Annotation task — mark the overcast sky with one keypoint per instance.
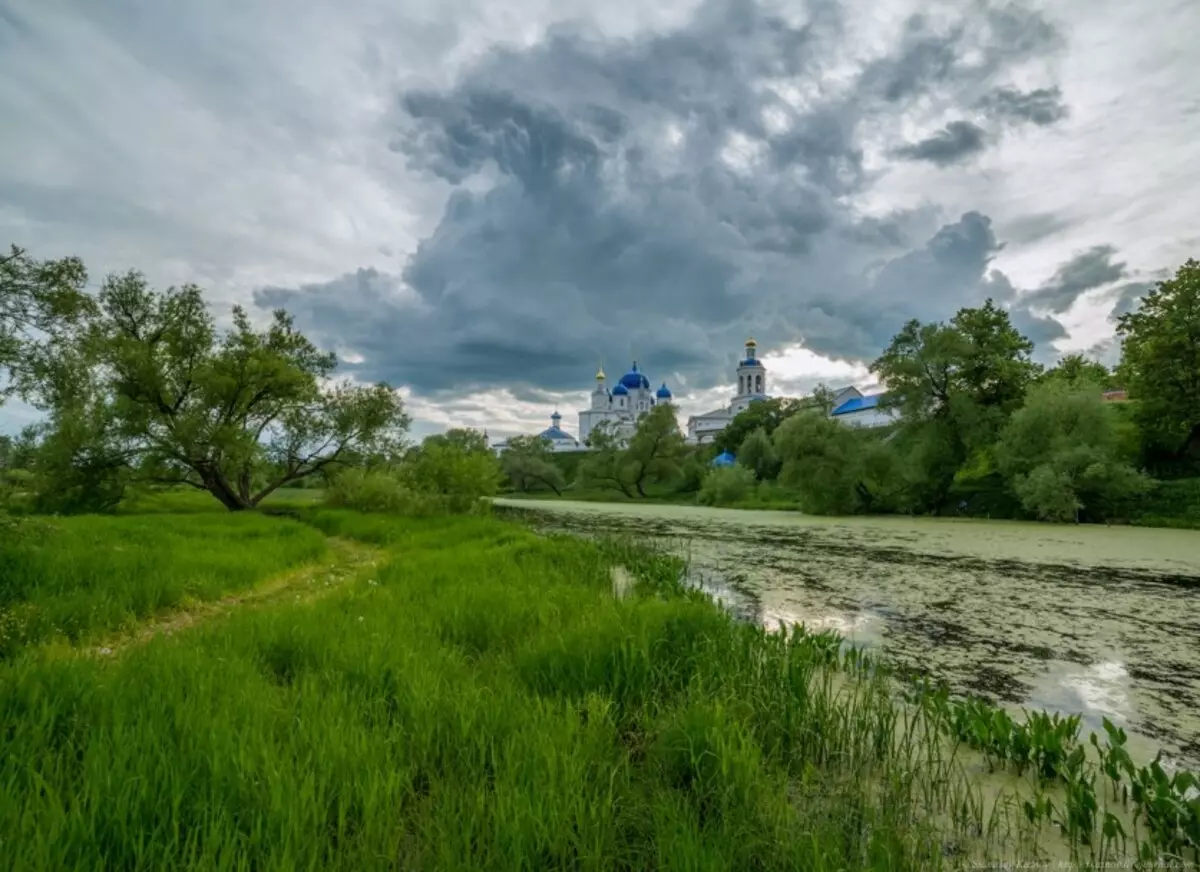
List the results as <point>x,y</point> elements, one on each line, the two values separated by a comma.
<point>479,201</point>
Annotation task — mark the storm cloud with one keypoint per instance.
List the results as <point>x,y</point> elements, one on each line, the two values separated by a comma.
<point>954,143</point>
<point>662,196</point>
<point>1084,272</point>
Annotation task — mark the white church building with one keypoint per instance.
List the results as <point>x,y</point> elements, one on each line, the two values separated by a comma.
<point>632,397</point>
<point>628,400</point>
<point>751,386</point>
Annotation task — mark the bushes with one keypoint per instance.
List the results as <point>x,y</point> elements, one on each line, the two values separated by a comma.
<point>726,485</point>
<point>436,479</point>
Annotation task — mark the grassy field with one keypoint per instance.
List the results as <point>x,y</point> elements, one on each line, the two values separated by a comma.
<point>68,577</point>
<point>479,700</point>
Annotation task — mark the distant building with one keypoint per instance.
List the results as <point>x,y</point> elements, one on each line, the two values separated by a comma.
<point>556,438</point>
<point>751,388</point>
<point>633,397</point>
<point>855,409</point>
<point>623,406</point>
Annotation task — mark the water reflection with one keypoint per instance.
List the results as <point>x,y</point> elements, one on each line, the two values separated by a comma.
<point>1039,627</point>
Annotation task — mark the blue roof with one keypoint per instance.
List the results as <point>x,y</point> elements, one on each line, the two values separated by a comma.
<point>555,434</point>
<point>751,361</point>
<point>724,459</point>
<point>664,392</point>
<point>619,390</point>
<point>634,379</point>
<point>858,404</point>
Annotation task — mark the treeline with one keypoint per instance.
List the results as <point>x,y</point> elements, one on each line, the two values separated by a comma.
<point>982,430</point>
<point>140,389</point>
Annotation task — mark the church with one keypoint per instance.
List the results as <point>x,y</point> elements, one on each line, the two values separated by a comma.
<point>633,396</point>
<point>628,400</point>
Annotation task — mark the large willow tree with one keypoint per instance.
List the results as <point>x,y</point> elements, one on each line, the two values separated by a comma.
<point>153,388</point>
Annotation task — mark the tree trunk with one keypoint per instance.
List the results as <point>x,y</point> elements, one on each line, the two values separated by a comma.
<point>217,485</point>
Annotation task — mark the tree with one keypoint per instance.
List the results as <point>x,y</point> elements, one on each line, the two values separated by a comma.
<point>466,438</point>
<point>237,415</point>
<point>757,454</point>
<point>819,463</point>
<point>1061,454</point>
<point>763,414</point>
<point>605,466</point>
<point>1076,369</point>
<point>654,452</point>
<point>1160,363</point>
<point>528,464</point>
<point>457,470</point>
<point>39,300</point>
<point>955,385</point>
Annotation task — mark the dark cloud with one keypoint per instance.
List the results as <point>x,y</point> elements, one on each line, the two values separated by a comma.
<point>954,143</point>
<point>1084,272</point>
<point>659,197</point>
<point>1043,106</point>
<point>1127,297</point>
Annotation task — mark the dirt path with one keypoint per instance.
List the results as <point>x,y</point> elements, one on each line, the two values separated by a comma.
<point>345,560</point>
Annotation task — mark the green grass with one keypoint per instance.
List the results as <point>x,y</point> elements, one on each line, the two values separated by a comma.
<point>73,576</point>
<point>483,702</point>
<point>480,701</point>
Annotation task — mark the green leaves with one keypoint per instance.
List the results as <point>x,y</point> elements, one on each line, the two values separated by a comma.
<point>1160,362</point>
<point>149,386</point>
<point>1061,453</point>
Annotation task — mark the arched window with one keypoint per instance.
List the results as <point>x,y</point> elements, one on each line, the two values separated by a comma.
<point>758,384</point>
<point>741,385</point>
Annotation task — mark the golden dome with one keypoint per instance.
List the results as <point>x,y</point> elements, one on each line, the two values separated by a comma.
<point>600,373</point>
<point>751,341</point>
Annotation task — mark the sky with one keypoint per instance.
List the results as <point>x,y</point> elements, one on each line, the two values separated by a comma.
<point>479,202</point>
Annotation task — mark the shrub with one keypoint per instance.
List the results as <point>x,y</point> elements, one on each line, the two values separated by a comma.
<point>375,491</point>
<point>726,485</point>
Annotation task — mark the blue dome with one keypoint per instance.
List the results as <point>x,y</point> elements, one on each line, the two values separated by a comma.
<point>634,379</point>
<point>723,459</point>
<point>619,390</point>
<point>554,434</point>
<point>664,393</point>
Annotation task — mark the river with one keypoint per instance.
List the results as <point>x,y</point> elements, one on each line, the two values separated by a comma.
<point>1094,620</point>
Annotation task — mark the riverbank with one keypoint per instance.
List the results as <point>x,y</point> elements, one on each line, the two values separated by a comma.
<point>1076,619</point>
<point>485,697</point>
<point>1172,504</point>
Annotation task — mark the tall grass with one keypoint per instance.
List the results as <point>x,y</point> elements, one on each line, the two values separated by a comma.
<point>72,576</point>
<point>484,702</point>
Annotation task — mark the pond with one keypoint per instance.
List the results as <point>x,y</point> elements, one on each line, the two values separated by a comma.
<point>1094,620</point>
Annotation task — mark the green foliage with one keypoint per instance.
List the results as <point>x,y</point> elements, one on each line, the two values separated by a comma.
<point>529,464</point>
<point>481,700</point>
<point>458,473</point>
<point>726,485</point>
<point>1077,370</point>
<point>763,415</point>
<point>1061,454</point>
<point>955,384</point>
<point>655,450</point>
<point>237,415</point>
<point>1160,363</point>
<point>757,453</point>
<point>374,490</point>
<point>442,476</point>
<point>82,575</point>
<point>1173,503</point>
<point>40,302</point>
<point>819,463</point>
<point>654,454</point>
